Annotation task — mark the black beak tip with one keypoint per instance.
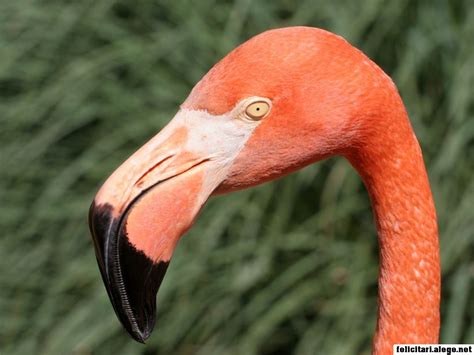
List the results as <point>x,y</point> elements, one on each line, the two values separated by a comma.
<point>130,277</point>
<point>140,335</point>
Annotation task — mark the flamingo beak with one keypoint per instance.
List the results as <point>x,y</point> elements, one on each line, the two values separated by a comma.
<point>152,199</point>
<point>140,213</point>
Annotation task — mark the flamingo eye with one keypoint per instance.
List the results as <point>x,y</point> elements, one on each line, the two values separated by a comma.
<point>257,110</point>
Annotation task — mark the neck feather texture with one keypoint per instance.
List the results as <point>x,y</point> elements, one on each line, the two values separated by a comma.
<point>390,163</point>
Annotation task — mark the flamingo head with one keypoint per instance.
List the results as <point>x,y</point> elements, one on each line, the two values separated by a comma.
<point>282,100</point>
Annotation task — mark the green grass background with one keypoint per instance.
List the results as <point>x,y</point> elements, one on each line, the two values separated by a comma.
<point>289,267</point>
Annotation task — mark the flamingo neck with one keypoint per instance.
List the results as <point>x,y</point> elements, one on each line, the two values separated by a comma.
<point>391,165</point>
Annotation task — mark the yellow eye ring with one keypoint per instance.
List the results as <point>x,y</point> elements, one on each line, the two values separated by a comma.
<point>257,110</point>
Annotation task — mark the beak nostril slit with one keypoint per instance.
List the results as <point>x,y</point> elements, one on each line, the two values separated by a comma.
<point>139,182</point>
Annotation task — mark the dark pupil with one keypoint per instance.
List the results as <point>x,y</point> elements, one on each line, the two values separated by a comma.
<point>258,108</point>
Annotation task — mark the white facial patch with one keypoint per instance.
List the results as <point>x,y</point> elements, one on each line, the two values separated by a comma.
<point>219,138</point>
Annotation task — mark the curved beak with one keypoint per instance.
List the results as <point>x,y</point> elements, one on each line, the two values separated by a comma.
<point>151,200</point>
<point>142,210</point>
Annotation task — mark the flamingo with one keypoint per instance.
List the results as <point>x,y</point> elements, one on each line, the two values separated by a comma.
<point>284,99</point>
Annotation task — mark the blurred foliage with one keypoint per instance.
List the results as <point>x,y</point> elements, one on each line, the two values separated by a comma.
<point>288,267</point>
